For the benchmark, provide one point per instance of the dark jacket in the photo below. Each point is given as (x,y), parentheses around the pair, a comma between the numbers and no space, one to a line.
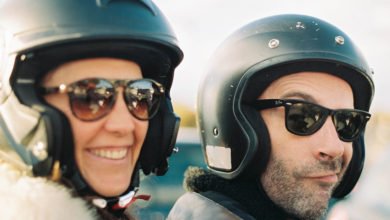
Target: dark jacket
(212,197)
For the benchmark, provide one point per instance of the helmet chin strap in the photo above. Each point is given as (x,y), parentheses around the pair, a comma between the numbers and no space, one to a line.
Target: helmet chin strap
(116,204)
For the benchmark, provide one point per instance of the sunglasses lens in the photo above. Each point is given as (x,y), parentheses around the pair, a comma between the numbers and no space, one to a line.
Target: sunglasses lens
(304,118)
(348,124)
(143,98)
(92,99)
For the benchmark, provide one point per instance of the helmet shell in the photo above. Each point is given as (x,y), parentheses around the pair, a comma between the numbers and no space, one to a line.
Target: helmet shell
(235,139)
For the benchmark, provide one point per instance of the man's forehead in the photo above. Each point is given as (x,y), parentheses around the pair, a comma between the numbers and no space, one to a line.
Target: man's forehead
(316,79)
(316,87)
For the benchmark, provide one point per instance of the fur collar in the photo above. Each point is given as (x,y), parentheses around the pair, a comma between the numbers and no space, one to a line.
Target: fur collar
(247,192)
(25,197)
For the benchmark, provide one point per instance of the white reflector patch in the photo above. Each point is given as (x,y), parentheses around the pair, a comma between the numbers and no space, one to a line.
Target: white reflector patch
(219,157)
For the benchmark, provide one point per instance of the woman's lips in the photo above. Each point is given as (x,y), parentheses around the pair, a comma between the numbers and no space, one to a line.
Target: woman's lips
(110,153)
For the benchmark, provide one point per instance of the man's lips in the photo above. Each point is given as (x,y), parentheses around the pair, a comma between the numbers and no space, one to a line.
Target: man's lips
(112,153)
(326,178)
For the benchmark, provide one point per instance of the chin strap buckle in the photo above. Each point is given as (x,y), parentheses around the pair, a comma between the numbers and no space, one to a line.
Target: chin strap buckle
(119,203)
(126,201)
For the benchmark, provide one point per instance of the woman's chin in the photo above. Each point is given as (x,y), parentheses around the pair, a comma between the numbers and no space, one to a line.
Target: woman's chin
(109,185)
(112,191)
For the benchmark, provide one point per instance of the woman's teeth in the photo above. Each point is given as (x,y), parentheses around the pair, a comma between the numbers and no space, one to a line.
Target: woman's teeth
(110,154)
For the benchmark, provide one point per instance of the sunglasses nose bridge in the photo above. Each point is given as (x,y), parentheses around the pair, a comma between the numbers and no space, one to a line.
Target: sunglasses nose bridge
(117,84)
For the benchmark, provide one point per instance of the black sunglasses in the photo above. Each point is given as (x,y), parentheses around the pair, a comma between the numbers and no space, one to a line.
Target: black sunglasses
(93,98)
(305,118)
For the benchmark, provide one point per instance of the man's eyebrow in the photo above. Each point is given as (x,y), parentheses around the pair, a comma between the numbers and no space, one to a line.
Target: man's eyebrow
(299,95)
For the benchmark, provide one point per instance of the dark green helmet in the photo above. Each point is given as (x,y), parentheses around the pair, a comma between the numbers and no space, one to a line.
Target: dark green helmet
(235,139)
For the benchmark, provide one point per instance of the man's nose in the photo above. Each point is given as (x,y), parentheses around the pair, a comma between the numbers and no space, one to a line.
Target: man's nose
(330,146)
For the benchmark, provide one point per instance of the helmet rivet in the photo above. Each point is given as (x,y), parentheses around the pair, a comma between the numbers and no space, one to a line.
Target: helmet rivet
(39,151)
(299,25)
(273,43)
(23,57)
(215,131)
(339,40)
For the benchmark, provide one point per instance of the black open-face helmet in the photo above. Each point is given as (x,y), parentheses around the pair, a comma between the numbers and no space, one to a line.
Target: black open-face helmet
(37,36)
(234,137)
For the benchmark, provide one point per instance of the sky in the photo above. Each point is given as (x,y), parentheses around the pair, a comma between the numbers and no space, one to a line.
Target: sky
(201,25)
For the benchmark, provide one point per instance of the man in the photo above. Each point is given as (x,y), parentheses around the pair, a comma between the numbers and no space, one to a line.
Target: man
(282,112)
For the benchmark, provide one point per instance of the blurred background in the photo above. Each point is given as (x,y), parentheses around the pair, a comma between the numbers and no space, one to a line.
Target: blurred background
(201,25)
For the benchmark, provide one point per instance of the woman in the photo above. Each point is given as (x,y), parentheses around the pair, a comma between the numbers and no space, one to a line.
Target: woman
(84,105)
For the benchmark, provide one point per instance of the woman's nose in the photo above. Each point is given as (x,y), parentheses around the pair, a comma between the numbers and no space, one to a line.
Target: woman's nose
(120,120)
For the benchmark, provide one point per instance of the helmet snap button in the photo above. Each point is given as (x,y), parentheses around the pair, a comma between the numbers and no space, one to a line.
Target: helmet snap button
(215,131)
(23,57)
(39,151)
(273,43)
(300,25)
(339,40)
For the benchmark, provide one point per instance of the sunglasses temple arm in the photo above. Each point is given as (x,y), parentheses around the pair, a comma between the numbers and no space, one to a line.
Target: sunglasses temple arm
(266,104)
(49,90)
